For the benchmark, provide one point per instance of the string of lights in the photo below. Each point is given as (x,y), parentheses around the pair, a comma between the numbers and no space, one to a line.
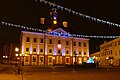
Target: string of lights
(54,33)
(79,14)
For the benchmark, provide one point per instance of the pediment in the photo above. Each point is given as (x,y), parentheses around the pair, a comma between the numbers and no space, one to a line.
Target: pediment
(60,30)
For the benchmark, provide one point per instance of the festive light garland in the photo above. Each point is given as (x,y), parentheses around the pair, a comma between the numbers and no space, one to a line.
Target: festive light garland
(79,14)
(55,33)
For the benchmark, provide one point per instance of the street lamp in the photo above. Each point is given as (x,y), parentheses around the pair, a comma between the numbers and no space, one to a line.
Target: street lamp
(16,49)
(17,55)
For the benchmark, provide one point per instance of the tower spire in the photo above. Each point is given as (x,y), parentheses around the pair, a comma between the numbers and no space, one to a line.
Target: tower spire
(53,20)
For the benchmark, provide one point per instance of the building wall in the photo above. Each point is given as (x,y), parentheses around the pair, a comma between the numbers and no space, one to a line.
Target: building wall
(96,57)
(46,53)
(110,53)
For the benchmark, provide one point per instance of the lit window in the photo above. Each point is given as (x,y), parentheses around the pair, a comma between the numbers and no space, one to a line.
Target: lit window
(59,46)
(34,59)
(67,60)
(26,59)
(50,59)
(41,59)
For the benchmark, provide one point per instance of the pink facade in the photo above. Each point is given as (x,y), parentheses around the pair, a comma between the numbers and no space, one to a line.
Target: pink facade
(47,49)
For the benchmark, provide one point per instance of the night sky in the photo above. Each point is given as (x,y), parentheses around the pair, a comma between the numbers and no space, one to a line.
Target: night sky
(28,13)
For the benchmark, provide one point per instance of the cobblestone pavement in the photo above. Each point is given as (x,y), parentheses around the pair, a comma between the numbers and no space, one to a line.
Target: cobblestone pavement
(59,73)
(73,76)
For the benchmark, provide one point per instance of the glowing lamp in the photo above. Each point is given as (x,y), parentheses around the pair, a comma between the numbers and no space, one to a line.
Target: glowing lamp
(59,46)
(4,56)
(65,24)
(42,20)
(16,54)
(53,57)
(16,49)
(54,22)
(107,58)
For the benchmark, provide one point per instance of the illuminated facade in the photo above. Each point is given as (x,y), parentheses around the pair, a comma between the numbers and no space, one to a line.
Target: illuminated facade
(50,49)
(96,57)
(109,54)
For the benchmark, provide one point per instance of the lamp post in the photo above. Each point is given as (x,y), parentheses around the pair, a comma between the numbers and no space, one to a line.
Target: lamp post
(17,55)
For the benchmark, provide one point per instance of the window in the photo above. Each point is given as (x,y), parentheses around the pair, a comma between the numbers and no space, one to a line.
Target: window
(79,43)
(34,49)
(41,40)
(67,60)
(59,42)
(35,40)
(84,53)
(50,50)
(74,44)
(41,59)
(27,49)
(50,42)
(67,43)
(80,53)
(111,51)
(66,52)
(41,50)
(50,59)
(110,44)
(74,52)
(27,39)
(34,59)
(115,44)
(26,59)
(59,51)
(116,53)
(84,44)
(118,42)
(119,52)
